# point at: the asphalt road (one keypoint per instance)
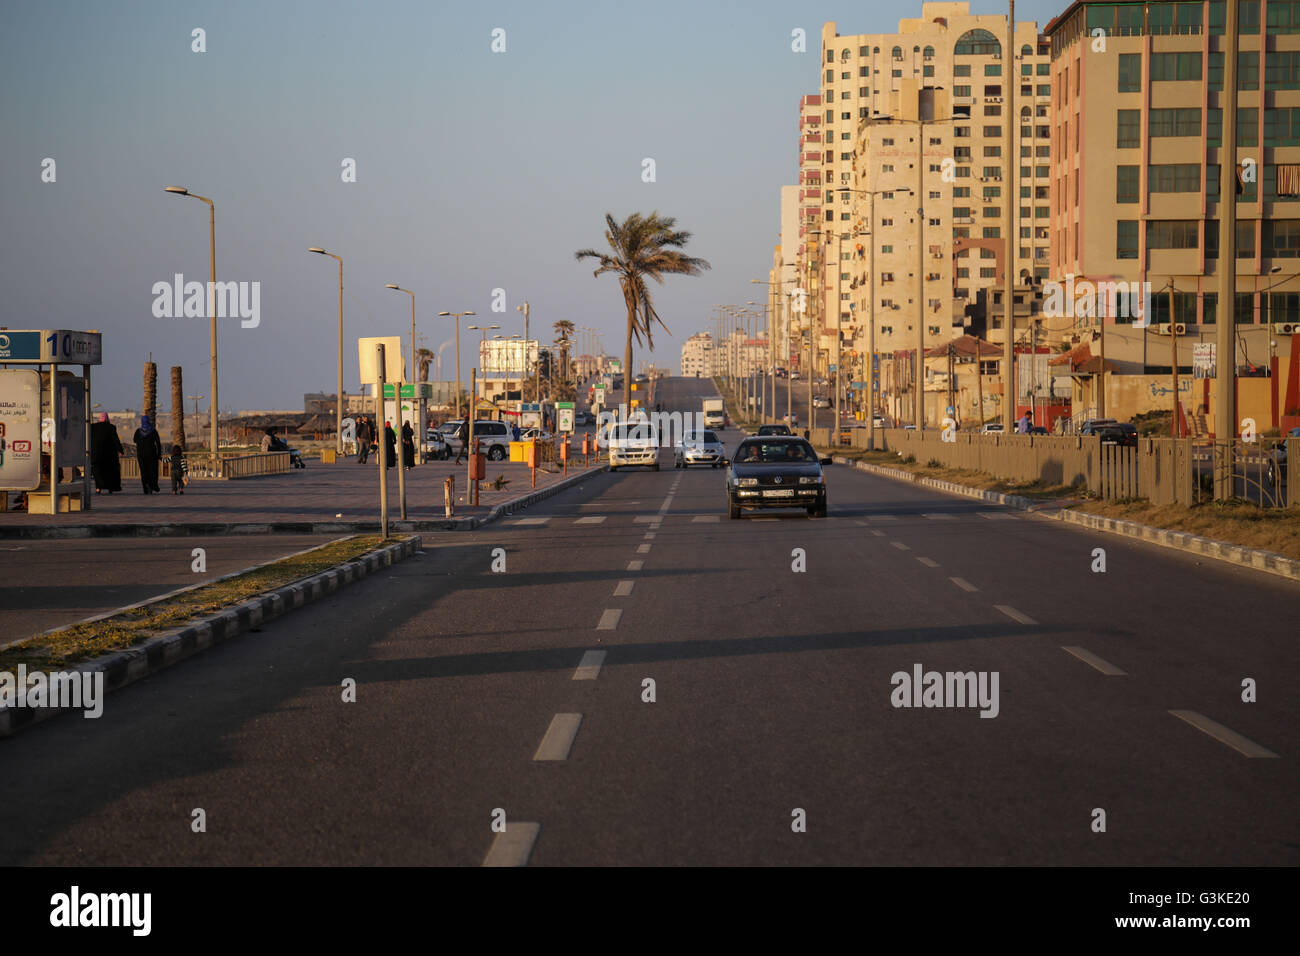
(50, 583)
(772, 694)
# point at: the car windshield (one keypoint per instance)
(707, 438)
(775, 452)
(642, 432)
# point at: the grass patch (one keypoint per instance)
(1236, 522)
(86, 641)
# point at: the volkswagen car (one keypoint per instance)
(776, 471)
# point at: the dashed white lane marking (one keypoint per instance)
(938, 516)
(1015, 615)
(644, 519)
(599, 519)
(902, 547)
(963, 584)
(530, 521)
(643, 549)
(997, 514)
(514, 846)
(609, 619)
(881, 534)
(623, 588)
(930, 562)
(635, 565)
(589, 666)
(1095, 662)
(649, 536)
(559, 737)
(1222, 734)
(706, 519)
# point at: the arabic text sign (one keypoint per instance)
(20, 429)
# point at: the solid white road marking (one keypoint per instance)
(1222, 734)
(559, 737)
(599, 519)
(514, 846)
(589, 666)
(902, 547)
(637, 565)
(931, 563)
(645, 548)
(609, 619)
(1093, 661)
(964, 584)
(623, 589)
(1015, 615)
(881, 534)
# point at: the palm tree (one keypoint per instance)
(642, 247)
(425, 356)
(564, 329)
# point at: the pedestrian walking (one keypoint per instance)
(1022, 426)
(364, 438)
(105, 455)
(408, 445)
(462, 439)
(148, 452)
(179, 468)
(390, 440)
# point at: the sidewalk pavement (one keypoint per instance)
(338, 498)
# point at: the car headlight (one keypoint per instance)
(746, 482)
(809, 481)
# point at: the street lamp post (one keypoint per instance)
(212, 303)
(482, 349)
(458, 316)
(338, 401)
(397, 388)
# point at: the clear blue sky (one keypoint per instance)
(475, 170)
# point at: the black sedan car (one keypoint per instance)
(776, 471)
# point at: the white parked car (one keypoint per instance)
(992, 428)
(820, 402)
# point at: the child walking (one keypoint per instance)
(179, 469)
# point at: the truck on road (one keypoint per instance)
(714, 414)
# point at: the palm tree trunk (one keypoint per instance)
(627, 360)
(150, 400)
(178, 408)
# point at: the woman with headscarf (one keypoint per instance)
(148, 452)
(390, 439)
(408, 445)
(105, 455)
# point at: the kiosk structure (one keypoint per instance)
(44, 427)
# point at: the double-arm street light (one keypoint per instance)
(397, 288)
(482, 349)
(212, 301)
(338, 402)
(458, 316)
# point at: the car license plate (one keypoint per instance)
(783, 493)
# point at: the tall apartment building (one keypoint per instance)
(697, 356)
(1137, 134)
(924, 109)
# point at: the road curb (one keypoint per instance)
(204, 529)
(127, 666)
(1254, 558)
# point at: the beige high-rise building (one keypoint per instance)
(1137, 132)
(919, 115)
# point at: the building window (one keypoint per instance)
(992, 69)
(993, 111)
(1283, 17)
(988, 273)
(1128, 128)
(1174, 122)
(993, 172)
(886, 250)
(1281, 239)
(977, 43)
(992, 232)
(927, 71)
(992, 151)
(1174, 178)
(1175, 66)
(1126, 184)
(961, 91)
(992, 130)
(897, 53)
(961, 69)
(1126, 239)
(1172, 234)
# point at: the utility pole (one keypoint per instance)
(1174, 430)
(1225, 399)
(1009, 232)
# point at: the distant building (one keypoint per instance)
(697, 356)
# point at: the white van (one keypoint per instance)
(632, 443)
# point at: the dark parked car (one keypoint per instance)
(776, 471)
(1277, 459)
(1118, 435)
(773, 429)
(1091, 426)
